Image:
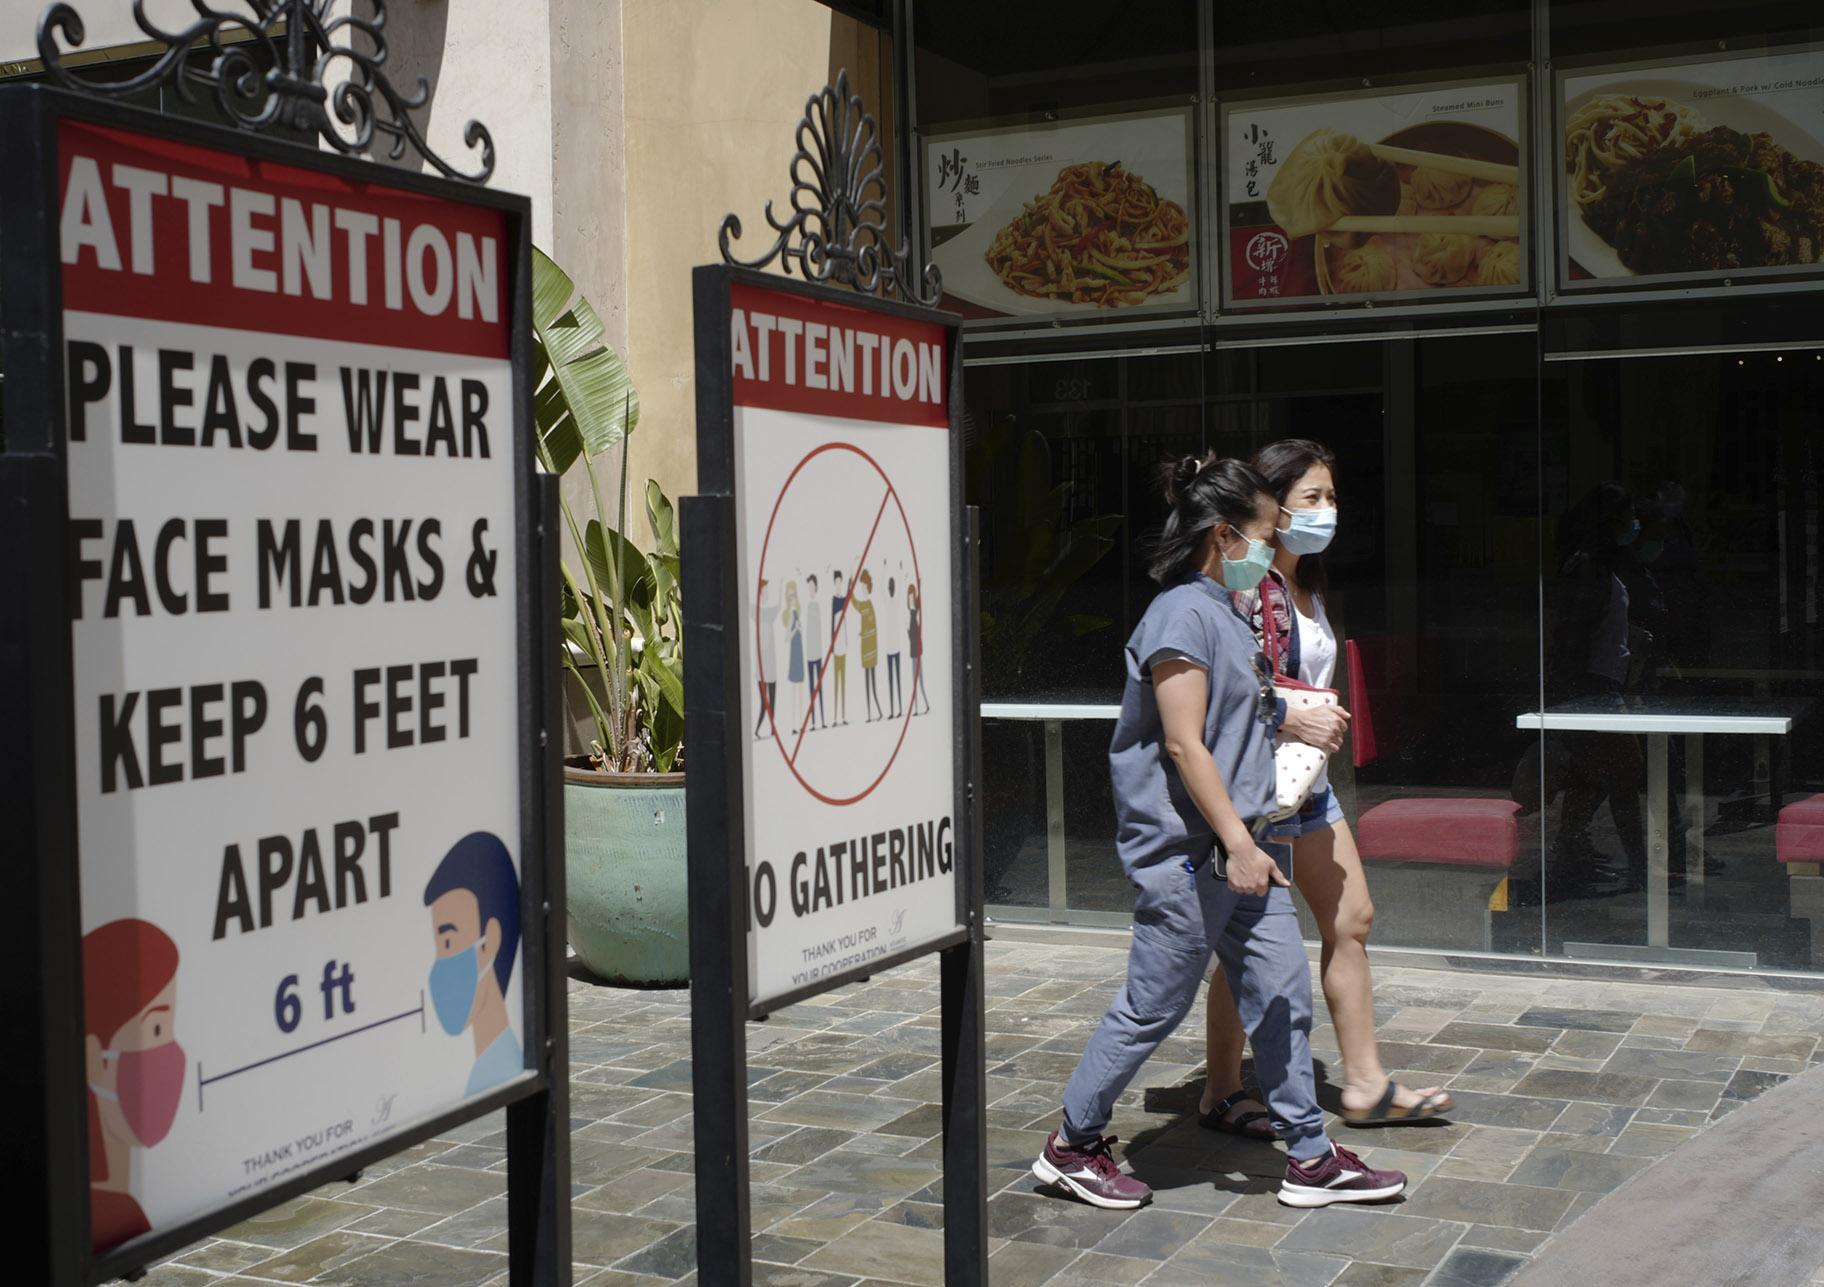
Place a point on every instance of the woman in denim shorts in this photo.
(1325, 866)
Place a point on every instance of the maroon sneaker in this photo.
(1090, 1173)
(1338, 1176)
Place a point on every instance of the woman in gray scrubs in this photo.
(1192, 769)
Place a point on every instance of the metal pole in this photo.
(965, 1065)
(718, 890)
(1658, 805)
(1056, 873)
(1694, 797)
(538, 1127)
(41, 984)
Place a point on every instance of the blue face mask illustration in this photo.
(453, 983)
(1311, 530)
(1245, 573)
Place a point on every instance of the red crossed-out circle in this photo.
(790, 756)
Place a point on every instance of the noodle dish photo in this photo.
(1679, 179)
(1088, 218)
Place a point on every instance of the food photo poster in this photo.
(1359, 197)
(1085, 218)
(1698, 172)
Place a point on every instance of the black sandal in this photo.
(1217, 1119)
(1387, 1113)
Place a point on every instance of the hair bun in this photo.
(1177, 476)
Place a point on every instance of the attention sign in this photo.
(832, 694)
(294, 462)
(846, 543)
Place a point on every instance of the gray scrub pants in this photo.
(1180, 917)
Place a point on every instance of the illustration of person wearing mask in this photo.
(863, 603)
(839, 649)
(474, 900)
(768, 641)
(133, 1064)
(895, 635)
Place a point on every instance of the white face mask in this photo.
(1310, 531)
(1250, 569)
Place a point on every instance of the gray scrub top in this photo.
(1155, 816)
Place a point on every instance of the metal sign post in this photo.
(278, 661)
(833, 690)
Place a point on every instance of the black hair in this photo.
(1585, 528)
(838, 574)
(811, 579)
(479, 863)
(1282, 464)
(1202, 492)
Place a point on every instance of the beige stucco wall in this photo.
(483, 67)
(714, 92)
(634, 126)
(589, 157)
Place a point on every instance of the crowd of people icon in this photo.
(815, 636)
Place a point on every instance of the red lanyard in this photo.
(1274, 646)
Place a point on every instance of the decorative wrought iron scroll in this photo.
(837, 231)
(303, 47)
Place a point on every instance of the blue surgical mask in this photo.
(1311, 530)
(454, 980)
(1627, 537)
(1247, 572)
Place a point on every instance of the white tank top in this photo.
(1316, 661)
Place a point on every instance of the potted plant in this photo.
(623, 656)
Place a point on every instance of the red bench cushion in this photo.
(1456, 832)
(1799, 835)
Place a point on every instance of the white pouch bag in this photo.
(1296, 764)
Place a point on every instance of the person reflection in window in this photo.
(1661, 599)
(1590, 662)
(1675, 567)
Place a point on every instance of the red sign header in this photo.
(153, 228)
(791, 353)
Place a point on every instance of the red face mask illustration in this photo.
(133, 1066)
(148, 1085)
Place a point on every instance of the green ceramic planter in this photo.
(624, 860)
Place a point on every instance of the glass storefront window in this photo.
(1579, 554)
(1683, 565)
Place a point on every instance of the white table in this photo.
(1053, 714)
(1660, 718)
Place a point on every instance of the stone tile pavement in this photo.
(1565, 1088)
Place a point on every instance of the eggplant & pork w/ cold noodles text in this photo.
(1102, 236)
(1717, 200)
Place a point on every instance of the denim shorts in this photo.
(1320, 811)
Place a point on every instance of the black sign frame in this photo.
(715, 732)
(42, 959)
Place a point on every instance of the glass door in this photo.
(1681, 597)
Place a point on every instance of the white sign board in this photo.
(1693, 173)
(292, 448)
(1407, 219)
(1090, 217)
(842, 468)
